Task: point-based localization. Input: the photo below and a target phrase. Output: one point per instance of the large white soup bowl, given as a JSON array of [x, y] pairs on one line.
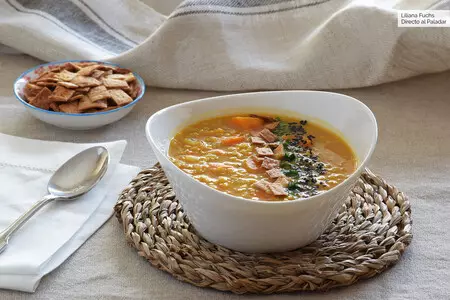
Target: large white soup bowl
[[263, 226]]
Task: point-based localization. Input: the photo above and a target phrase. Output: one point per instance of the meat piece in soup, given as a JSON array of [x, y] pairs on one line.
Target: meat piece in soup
[[263, 157]]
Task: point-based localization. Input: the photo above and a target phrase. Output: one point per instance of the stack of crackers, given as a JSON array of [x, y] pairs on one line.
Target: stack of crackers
[[83, 87]]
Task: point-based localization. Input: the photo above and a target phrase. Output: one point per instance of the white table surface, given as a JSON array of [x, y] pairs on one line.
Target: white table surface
[[413, 153]]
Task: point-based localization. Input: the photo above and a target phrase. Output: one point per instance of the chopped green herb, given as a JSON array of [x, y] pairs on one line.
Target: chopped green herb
[[290, 173], [289, 156], [285, 165], [293, 185], [299, 163], [282, 128]]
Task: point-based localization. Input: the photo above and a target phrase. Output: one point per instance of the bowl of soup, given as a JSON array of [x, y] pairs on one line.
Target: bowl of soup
[[266, 171]]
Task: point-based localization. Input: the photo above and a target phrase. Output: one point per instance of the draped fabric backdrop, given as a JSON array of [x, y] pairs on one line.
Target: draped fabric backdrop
[[233, 45]]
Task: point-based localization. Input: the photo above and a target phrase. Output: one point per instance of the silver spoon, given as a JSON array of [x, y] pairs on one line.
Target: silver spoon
[[74, 178]]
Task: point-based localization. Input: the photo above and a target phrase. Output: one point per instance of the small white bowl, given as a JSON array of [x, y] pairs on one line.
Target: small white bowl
[[263, 226], [73, 121]]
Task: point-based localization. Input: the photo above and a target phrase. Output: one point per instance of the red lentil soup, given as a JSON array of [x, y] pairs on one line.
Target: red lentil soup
[[263, 157]]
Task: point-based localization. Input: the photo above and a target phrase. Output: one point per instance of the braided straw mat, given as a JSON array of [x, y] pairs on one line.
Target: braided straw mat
[[369, 234]]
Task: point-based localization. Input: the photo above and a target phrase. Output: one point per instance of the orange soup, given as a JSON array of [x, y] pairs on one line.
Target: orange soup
[[263, 157]]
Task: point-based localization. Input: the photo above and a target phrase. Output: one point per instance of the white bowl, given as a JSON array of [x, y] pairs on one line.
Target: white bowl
[[262, 226], [72, 121]]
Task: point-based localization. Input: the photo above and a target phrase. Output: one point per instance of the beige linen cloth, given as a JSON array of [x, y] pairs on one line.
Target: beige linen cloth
[[412, 153], [234, 44]]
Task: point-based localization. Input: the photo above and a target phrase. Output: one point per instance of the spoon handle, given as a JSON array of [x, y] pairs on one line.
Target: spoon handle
[[5, 234]]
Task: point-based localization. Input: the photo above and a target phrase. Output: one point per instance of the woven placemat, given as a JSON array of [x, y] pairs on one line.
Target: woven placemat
[[370, 233]]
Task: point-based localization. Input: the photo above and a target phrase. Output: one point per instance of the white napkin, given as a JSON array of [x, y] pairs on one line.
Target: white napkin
[[55, 232]]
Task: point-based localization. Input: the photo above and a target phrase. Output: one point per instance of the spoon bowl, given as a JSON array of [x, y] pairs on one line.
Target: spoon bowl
[[74, 178], [79, 174]]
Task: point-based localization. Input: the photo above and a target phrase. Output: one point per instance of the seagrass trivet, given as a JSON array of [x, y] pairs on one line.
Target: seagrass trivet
[[369, 234]]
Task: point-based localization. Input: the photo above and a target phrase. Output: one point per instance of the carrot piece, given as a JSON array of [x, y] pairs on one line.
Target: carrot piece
[[247, 122], [233, 140]]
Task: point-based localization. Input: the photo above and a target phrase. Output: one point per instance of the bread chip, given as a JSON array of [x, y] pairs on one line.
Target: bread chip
[[48, 76], [115, 84], [31, 90], [273, 145], [54, 106], [55, 69], [76, 97], [70, 107], [270, 163], [121, 71], [65, 75], [264, 151], [283, 181], [120, 97], [98, 93], [62, 94], [127, 77], [117, 76], [46, 84], [85, 64], [106, 68], [279, 151], [84, 81], [258, 159], [42, 99], [107, 73], [257, 140], [274, 173], [134, 89], [87, 71], [97, 74], [277, 189], [83, 90], [263, 185], [71, 67], [130, 77], [86, 103], [267, 135], [68, 85]]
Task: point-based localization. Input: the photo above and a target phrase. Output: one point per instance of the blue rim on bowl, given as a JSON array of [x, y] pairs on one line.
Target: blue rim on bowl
[[55, 63]]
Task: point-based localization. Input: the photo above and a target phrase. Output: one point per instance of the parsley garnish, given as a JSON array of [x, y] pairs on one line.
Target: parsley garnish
[[283, 128], [299, 163]]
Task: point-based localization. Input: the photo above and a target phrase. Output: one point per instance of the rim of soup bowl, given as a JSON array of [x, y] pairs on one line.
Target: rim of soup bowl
[[355, 173], [60, 62]]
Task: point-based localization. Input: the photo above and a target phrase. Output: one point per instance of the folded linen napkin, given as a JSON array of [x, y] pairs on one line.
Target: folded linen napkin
[[56, 231], [234, 45]]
